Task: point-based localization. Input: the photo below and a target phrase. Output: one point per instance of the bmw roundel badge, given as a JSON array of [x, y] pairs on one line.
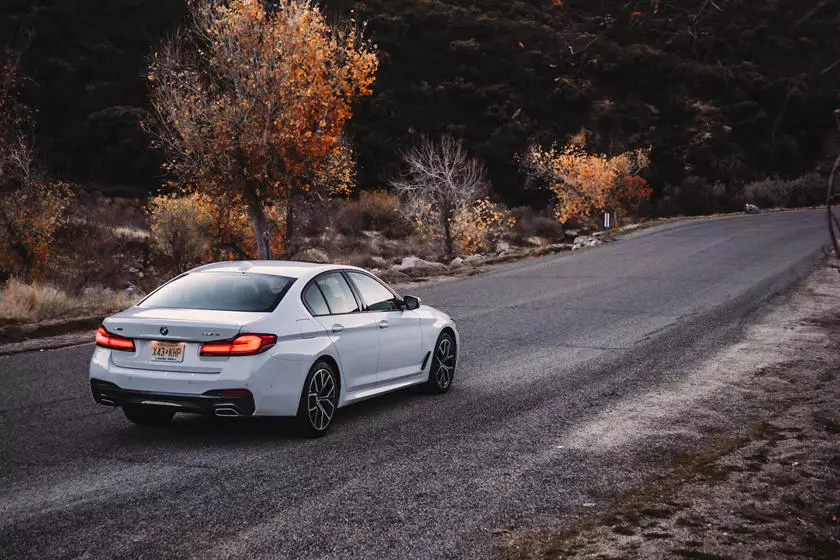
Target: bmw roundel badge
[[164, 331]]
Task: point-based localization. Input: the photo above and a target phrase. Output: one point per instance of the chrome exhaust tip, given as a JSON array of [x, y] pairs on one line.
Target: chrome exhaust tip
[[227, 411]]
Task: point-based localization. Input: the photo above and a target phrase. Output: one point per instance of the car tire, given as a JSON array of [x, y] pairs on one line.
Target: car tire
[[318, 401], [148, 415], [442, 368]]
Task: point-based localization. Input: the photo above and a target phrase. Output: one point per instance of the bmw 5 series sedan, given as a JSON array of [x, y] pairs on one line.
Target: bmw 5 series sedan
[[269, 339]]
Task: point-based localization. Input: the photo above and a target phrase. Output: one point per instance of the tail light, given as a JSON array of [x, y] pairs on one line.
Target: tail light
[[243, 345], [112, 341]]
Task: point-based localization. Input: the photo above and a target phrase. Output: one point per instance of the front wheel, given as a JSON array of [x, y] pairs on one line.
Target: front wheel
[[442, 370], [318, 401], [148, 415]]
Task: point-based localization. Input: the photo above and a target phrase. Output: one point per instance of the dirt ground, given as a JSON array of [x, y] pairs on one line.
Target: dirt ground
[[752, 464]]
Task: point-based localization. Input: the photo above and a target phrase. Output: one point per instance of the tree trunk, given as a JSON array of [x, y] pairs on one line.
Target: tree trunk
[[449, 243], [288, 247], [255, 209]]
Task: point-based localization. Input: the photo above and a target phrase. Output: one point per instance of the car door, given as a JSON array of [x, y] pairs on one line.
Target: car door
[[354, 334], [400, 337]]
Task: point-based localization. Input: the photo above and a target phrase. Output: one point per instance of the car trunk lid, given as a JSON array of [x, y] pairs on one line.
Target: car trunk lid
[[171, 339]]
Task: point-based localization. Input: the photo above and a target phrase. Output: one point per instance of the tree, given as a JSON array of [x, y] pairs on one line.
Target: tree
[[31, 208], [441, 179], [584, 184], [252, 103]]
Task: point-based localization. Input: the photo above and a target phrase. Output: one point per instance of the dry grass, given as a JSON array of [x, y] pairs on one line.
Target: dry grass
[[30, 303]]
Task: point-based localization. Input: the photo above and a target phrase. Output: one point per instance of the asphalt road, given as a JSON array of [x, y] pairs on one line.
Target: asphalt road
[[547, 345]]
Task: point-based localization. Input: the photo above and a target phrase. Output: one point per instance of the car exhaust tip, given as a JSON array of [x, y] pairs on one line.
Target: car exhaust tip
[[227, 411]]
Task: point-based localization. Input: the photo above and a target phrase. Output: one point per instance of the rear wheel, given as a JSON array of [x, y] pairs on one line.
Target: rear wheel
[[318, 401], [442, 370], [148, 415]]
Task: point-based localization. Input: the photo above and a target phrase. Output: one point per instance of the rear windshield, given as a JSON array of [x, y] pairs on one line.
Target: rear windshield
[[222, 291]]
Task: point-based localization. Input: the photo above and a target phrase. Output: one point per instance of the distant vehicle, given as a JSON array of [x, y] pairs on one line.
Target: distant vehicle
[[752, 209], [269, 339]]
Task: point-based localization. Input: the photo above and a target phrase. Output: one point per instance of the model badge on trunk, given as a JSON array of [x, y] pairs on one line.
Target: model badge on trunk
[[164, 331]]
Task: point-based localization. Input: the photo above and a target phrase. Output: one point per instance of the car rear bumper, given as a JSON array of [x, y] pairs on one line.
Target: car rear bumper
[[211, 403]]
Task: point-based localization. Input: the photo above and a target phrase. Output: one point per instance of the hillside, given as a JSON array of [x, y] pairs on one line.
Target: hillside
[[729, 91]]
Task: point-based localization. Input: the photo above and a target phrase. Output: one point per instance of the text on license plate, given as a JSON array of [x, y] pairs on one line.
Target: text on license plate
[[167, 352]]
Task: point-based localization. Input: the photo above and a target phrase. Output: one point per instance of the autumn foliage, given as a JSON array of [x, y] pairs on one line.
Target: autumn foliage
[[31, 207], [191, 229], [585, 184], [479, 227], [253, 104]]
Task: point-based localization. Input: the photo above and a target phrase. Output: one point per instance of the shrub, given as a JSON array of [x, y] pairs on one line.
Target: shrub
[[182, 228], [479, 227], [374, 211], [529, 224], [694, 197], [807, 190], [585, 184], [29, 216]]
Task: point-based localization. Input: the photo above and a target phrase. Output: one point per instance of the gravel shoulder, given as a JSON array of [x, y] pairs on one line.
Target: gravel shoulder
[[748, 450]]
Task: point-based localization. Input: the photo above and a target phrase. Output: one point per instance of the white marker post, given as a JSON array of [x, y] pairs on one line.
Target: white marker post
[[606, 221]]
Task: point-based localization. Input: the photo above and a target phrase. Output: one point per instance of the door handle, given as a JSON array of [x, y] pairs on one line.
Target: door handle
[[383, 324], [337, 329]]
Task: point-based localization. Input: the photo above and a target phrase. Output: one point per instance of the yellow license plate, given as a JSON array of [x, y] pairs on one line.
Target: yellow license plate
[[167, 352]]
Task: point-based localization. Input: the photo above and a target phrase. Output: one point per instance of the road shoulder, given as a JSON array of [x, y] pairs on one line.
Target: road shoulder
[[747, 449]]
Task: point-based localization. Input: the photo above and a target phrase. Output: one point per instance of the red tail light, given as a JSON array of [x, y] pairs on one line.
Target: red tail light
[[243, 345], [114, 342]]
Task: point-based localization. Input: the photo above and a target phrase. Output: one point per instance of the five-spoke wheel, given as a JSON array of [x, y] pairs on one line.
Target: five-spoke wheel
[[319, 401], [442, 369]]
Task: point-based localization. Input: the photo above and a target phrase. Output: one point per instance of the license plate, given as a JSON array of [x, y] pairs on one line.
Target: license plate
[[167, 352]]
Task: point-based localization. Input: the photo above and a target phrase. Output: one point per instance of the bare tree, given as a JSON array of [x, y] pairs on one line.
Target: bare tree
[[440, 180]]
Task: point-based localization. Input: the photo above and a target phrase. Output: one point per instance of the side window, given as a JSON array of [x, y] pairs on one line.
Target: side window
[[315, 301], [376, 296], [338, 293]]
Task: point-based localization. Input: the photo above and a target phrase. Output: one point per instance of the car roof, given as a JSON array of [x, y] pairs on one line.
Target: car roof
[[291, 269]]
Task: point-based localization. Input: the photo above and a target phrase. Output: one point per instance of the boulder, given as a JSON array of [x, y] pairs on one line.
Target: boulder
[[313, 255], [376, 261], [584, 241], [502, 247], [456, 262], [417, 265]]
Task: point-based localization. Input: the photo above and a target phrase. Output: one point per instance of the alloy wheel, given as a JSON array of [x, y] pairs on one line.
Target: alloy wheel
[[321, 399], [444, 362]]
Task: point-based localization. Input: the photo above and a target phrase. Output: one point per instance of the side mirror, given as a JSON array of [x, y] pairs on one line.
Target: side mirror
[[411, 303]]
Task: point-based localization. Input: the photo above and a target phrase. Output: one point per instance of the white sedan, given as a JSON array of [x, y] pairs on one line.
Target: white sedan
[[269, 339]]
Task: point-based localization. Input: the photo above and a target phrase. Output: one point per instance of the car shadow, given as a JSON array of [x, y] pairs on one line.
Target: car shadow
[[214, 432]]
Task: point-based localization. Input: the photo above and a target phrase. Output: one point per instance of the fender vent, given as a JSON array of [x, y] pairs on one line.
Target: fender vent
[[425, 360]]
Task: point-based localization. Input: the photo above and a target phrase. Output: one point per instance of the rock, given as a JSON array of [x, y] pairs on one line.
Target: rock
[[418, 265], [313, 255], [752, 209], [502, 247], [456, 262], [583, 241], [377, 262], [474, 259], [537, 241], [394, 276]]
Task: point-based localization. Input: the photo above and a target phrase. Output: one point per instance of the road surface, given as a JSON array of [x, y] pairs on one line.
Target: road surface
[[547, 345]]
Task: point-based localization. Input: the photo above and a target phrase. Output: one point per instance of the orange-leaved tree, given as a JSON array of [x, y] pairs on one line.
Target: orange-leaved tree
[[585, 184], [31, 207], [252, 103]]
